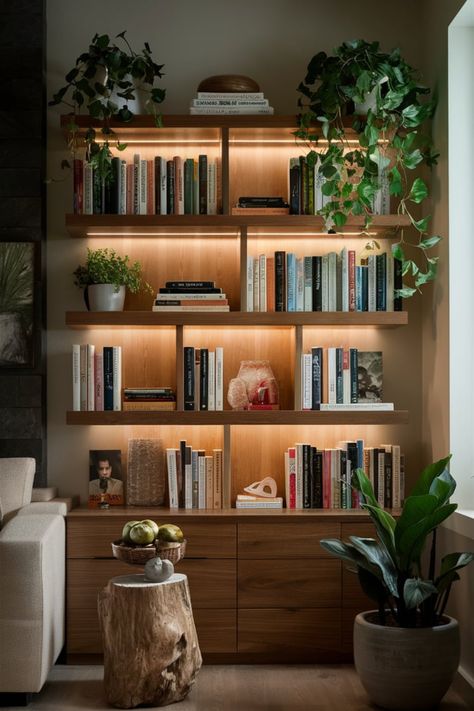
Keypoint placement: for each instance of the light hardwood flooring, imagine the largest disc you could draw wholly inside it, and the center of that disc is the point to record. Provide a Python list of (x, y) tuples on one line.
[(230, 688)]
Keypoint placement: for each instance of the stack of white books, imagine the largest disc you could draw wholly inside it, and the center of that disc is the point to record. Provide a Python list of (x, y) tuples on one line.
[(210, 102)]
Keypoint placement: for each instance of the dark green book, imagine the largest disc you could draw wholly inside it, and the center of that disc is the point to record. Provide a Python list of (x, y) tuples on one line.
[(188, 186)]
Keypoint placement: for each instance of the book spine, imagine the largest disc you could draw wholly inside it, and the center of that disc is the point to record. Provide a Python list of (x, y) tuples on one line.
[(291, 499), (332, 376), (381, 478), (218, 465), (162, 199), (365, 288), (172, 478), (307, 476), (195, 478), (170, 187), (117, 377), (372, 282), (83, 376), (209, 482), (345, 280), (262, 282), (398, 284), (229, 102), (270, 278), (304, 197), (202, 163), (396, 498), (388, 479), (339, 357), (290, 282), (204, 374), (343, 479), (250, 268), (88, 189), (317, 497), (317, 284), (300, 284), (157, 182), (188, 478), (201, 479), (241, 96), (352, 284), (327, 495), (324, 283), (97, 193), (122, 205), (78, 182), (390, 283), (256, 284), (280, 281), (76, 377), (317, 378), (150, 187), (143, 186), (354, 371), (188, 186), (294, 187), (108, 378), (306, 380), (197, 378), (308, 284), (219, 378), (130, 189), (332, 281), (178, 186), (115, 186), (203, 110), (299, 476), (381, 281), (211, 188), (90, 377), (311, 209), (136, 184), (212, 381), (188, 378), (346, 377)]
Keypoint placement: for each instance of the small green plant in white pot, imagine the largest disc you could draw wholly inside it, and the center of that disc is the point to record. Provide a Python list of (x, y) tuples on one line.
[(407, 651), (106, 276)]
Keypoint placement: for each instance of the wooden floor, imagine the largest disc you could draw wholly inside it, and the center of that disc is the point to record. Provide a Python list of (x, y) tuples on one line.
[(230, 688)]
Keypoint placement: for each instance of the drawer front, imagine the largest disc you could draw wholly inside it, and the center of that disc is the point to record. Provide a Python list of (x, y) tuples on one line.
[(91, 538), (216, 629), (290, 633), (299, 583), (348, 617), (352, 595), (363, 530), (285, 540), (212, 583)]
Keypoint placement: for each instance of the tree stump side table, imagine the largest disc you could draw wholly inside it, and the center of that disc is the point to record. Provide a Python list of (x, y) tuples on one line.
[(151, 649)]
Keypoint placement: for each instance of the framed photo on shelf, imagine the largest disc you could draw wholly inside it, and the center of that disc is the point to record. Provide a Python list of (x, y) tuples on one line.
[(17, 280), (105, 478)]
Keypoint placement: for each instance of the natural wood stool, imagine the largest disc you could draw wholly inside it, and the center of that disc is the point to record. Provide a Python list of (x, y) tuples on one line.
[(151, 649)]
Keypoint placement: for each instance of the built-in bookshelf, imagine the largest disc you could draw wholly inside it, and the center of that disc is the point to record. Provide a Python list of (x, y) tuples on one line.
[(253, 154)]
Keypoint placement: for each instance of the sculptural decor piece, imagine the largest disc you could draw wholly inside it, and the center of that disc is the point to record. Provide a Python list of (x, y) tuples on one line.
[(254, 388), (146, 475), (267, 488)]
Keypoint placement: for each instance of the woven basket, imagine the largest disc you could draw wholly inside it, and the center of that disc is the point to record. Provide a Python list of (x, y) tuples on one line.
[(139, 555)]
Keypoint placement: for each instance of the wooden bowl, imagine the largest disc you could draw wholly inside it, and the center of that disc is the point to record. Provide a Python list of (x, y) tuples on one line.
[(139, 555), (229, 83)]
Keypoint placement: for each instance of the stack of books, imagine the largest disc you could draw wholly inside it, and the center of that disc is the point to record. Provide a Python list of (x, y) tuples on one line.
[(210, 102), (342, 379), (261, 206), (195, 479), (316, 479), (247, 501), (190, 296), (203, 372), (342, 281), (96, 378), (163, 399)]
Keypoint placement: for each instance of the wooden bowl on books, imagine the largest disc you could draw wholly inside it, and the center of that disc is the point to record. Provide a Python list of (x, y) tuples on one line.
[(139, 555), (232, 83)]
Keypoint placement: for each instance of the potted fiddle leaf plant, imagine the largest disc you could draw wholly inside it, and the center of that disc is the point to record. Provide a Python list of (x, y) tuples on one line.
[(109, 82), (386, 144), (406, 652), (105, 278)]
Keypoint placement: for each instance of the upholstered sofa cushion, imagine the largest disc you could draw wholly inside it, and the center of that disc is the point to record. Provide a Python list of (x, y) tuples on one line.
[(45, 507), (16, 485), (32, 592), (44, 493)]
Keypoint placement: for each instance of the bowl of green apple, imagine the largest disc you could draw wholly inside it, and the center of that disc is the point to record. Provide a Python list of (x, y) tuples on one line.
[(146, 539)]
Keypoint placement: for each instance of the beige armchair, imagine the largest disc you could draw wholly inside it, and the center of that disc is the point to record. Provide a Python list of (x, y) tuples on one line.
[(32, 582)]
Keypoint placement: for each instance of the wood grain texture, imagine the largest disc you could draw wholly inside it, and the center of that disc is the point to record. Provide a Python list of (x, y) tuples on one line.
[(305, 583), (293, 540), (290, 632), (93, 538)]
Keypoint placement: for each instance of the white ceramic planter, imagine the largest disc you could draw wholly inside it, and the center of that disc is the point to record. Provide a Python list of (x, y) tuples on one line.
[(104, 297), (406, 669)]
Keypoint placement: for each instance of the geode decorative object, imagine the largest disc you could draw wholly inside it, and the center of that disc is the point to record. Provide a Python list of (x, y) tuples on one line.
[(255, 385), (146, 472), (157, 570)]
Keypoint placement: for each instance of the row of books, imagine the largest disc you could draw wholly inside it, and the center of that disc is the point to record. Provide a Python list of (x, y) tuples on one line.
[(158, 186), (156, 399), (195, 479), (209, 102), (203, 373), (331, 282), (191, 296), (310, 191), (342, 378), (321, 479), (96, 378)]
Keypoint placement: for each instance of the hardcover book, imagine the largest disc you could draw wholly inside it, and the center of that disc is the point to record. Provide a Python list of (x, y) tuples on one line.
[(370, 376)]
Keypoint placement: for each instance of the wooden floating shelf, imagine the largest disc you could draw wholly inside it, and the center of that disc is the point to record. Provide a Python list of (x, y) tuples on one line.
[(87, 319), (230, 417), (156, 225)]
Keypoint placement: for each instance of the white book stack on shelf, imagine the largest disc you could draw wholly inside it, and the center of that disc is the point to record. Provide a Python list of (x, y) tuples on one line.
[(210, 102)]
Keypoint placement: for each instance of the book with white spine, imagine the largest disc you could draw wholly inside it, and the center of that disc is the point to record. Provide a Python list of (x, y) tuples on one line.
[(300, 283), (76, 378), (172, 478), (219, 378), (229, 102), (250, 283), (358, 407), (211, 188), (324, 283), (211, 394), (190, 295), (83, 376), (143, 181), (90, 377), (204, 110), (202, 480), (332, 281), (262, 282), (99, 381), (117, 375), (306, 381), (372, 282), (331, 376), (256, 284), (345, 279)]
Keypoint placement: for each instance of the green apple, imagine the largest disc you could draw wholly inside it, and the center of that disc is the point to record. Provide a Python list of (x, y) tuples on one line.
[(169, 532), (142, 534), (152, 524), (126, 530)]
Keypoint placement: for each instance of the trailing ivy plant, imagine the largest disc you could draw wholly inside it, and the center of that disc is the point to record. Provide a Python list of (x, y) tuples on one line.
[(390, 142), (102, 82)]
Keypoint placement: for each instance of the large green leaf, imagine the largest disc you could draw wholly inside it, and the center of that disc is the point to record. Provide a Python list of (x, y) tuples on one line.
[(423, 484), (372, 586), (361, 483), (416, 590), (349, 553), (443, 487), (412, 540), (377, 555), (385, 527), (419, 191), (449, 565)]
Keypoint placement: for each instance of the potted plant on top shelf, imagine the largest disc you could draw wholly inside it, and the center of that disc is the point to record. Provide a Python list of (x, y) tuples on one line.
[(390, 142), (407, 651), (105, 278), (106, 81)]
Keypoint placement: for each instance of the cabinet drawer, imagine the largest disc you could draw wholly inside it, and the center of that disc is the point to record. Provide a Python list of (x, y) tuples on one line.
[(212, 583), (285, 540), (91, 538), (299, 583), (363, 530), (216, 629), (291, 633), (352, 593)]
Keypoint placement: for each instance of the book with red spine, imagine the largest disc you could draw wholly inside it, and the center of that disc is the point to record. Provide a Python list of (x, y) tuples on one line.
[(327, 485), (270, 284)]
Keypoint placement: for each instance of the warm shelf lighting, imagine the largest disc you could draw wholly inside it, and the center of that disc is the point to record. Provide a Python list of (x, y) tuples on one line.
[(312, 234), (163, 234), (144, 141)]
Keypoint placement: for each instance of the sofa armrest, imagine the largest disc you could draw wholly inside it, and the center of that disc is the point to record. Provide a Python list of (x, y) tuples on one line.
[(32, 600), (44, 507)]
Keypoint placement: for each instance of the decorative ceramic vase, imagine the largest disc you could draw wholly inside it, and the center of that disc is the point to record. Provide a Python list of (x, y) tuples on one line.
[(405, 668), (105, 297)]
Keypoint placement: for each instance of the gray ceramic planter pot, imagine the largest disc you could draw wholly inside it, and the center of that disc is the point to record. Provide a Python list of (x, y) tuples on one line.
[(103, 297), (404, 668)]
